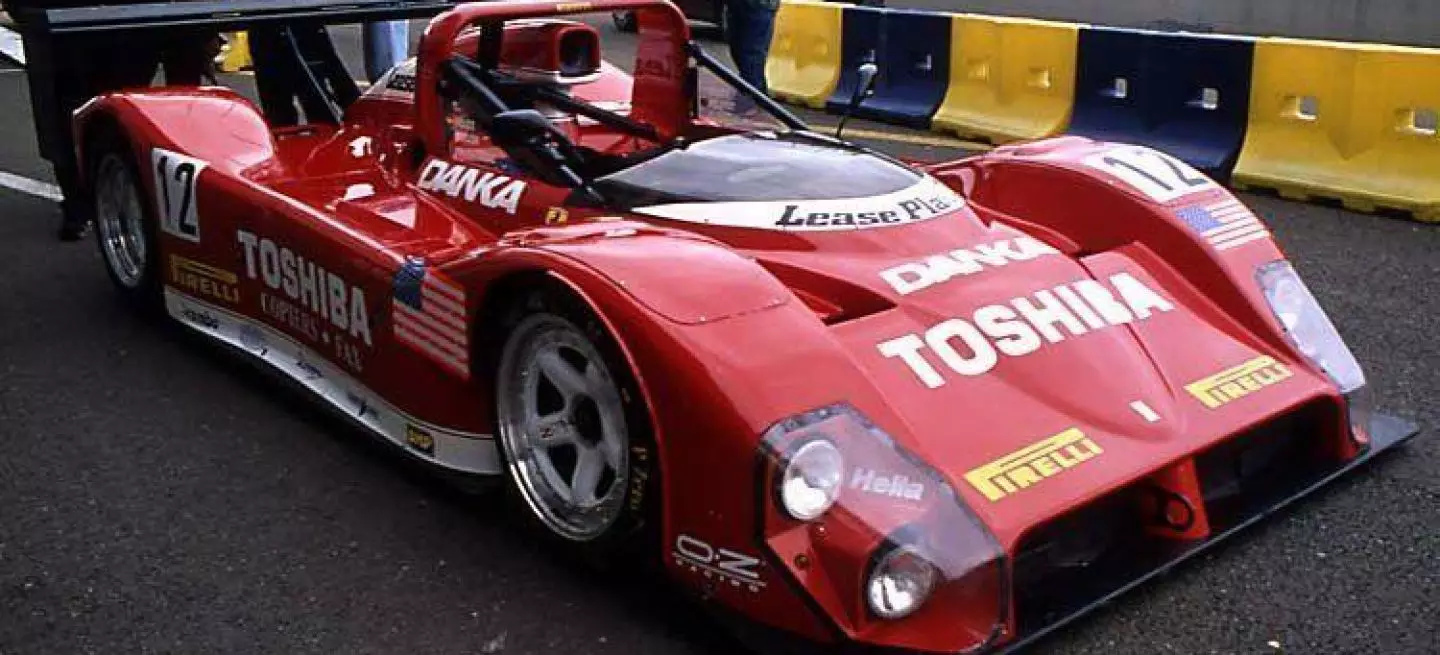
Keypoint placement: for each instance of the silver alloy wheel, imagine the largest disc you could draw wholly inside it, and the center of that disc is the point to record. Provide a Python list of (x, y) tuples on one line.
[(119, 220), (562, 425)]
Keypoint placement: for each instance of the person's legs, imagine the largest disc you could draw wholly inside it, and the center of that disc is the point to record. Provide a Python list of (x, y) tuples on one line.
[(386, 44), (752, 24)]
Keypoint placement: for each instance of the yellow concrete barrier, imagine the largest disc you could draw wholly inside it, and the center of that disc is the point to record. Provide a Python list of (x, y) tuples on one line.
[(804, 62), (1011, 79), (236, 55), (1355, 122)]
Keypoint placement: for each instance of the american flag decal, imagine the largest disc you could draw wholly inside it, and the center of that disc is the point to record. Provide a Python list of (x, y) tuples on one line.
[(429, 315), (1224, 223)]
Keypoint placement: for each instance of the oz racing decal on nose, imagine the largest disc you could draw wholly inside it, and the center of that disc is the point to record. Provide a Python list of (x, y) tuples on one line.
[(923, 201), (973, 345)]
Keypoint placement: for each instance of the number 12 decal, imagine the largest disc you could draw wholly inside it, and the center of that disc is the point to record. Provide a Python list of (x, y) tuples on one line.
[(175, 178), (1157, 175)]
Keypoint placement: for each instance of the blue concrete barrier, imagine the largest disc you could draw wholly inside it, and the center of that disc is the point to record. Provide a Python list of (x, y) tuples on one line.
[(1185, 94), (859, 43), (912, 49), (914, 68)]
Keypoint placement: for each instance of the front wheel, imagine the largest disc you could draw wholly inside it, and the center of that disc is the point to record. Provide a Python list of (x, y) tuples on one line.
[(125, 227), (572, 424)]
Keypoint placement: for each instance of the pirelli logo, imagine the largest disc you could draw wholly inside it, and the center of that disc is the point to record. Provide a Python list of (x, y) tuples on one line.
[(1234, 383), (1033, 464), (204, 280)]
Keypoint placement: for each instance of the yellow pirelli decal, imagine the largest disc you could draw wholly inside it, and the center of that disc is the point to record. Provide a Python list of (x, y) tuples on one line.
[(203, 280), (180, 265), (1234, 383), (1033, 464)]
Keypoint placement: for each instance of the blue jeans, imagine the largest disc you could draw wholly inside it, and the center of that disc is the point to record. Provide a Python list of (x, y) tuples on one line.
[(386, 44), (752, 23)]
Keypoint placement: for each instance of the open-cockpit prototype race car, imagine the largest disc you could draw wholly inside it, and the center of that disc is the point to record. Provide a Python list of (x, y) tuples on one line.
[(935, 409)]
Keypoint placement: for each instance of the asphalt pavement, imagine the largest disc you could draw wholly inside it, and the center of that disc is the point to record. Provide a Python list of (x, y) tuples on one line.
[(158, 496)]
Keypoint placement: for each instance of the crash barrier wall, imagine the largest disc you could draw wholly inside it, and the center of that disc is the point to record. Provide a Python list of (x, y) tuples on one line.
[(859, 43), (236, 56), (1347, 121), (1011, 79), (914, 59), (804, 62), (1355, 122), (1185, 94)]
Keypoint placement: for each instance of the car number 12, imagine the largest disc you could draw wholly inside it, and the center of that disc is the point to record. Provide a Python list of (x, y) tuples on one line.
[(175, 179), (1159, 176)]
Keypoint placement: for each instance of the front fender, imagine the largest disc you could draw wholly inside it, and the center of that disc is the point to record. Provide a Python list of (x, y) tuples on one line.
[(721, 351), (1062, 186)]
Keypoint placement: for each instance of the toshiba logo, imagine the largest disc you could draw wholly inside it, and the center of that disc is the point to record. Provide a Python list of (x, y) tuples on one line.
[(972, 345)]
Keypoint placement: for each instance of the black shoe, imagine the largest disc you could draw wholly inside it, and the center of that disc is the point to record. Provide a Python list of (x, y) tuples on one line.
[(74, 231)]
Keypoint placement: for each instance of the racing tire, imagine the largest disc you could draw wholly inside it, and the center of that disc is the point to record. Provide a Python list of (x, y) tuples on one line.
[(573, 429), (126, 230), (625, 21)]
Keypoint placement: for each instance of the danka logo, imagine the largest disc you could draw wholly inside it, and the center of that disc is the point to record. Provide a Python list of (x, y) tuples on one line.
[(204, 280), (325, 294), (1237, 382), (483, 187), (911, 277), (1033, 464), (895, 486), (972, 346)]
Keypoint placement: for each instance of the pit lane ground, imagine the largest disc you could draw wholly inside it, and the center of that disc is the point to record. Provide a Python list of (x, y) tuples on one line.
[(156, 496)]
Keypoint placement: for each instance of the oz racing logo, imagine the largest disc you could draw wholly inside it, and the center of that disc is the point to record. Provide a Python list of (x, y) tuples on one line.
[(718, 564)]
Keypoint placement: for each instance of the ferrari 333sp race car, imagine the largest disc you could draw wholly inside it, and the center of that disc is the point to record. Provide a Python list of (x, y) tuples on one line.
[(940, 408)]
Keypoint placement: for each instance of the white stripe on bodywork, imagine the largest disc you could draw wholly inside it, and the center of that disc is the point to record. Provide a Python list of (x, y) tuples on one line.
[(456, 450), (766, 215)]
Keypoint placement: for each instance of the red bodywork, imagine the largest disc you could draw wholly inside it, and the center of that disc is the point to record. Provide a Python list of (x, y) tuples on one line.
[(731, 329)]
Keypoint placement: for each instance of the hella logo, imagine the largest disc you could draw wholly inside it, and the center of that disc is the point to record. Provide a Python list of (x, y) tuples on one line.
[(895, 486)]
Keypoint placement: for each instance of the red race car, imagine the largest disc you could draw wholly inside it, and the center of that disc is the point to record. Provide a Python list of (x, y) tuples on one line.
[(934, 409)]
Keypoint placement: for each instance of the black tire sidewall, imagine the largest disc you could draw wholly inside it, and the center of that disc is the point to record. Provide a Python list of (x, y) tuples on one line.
[(638, 524), (107, 142)]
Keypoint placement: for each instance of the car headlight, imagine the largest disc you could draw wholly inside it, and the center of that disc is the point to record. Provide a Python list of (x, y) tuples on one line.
[(875, 534), (812, 479), (900, 583), (1309, 328)]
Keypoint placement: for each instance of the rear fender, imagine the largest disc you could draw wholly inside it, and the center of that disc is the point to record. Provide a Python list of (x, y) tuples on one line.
[(216, 125)]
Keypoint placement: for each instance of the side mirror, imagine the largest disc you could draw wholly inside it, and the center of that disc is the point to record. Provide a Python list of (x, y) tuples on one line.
[(539, 147), (866, 88), (863, 89)]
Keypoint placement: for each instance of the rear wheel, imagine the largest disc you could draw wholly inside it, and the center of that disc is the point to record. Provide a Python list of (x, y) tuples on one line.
[(573, 429), (125, 228)]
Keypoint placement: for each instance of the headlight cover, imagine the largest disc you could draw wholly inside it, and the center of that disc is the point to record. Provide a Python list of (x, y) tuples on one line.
[(1308, 326), (897, 557)]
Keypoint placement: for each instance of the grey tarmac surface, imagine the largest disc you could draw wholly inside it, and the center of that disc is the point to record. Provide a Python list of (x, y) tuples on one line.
[(157, 495)]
